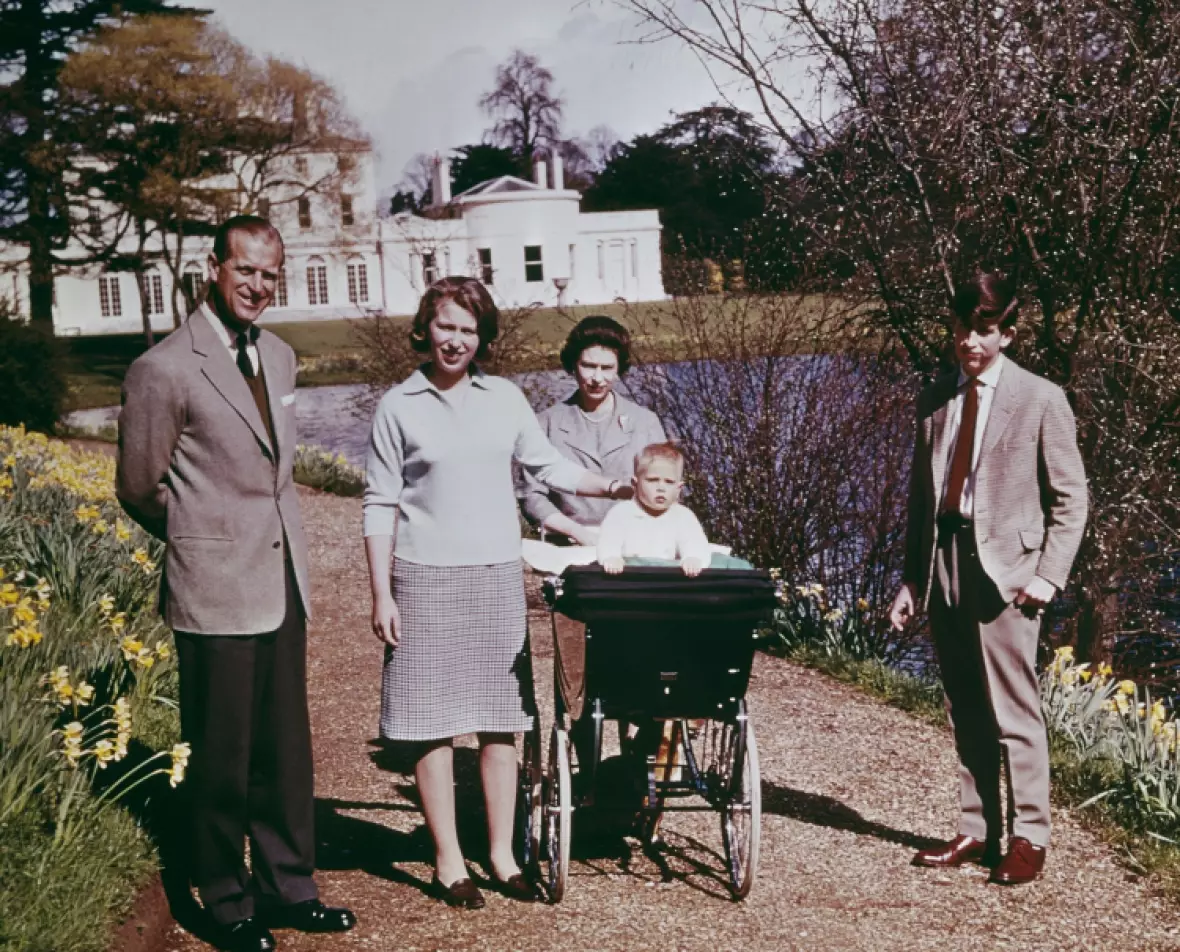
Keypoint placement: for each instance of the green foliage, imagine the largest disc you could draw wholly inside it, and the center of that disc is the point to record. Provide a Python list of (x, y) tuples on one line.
[(481, 162), (87, 697), (712, 174), (319, 469), (64, 898), (31, 378)]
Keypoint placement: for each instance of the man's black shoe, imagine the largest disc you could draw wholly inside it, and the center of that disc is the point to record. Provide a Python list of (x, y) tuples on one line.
[(309, 916), (245, 935)]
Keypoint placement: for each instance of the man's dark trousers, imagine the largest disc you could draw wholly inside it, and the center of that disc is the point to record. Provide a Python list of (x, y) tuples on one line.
[(243, 708)]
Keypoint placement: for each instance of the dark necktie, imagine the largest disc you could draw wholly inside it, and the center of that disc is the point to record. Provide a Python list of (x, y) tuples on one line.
[(964, 449), (244, 364)]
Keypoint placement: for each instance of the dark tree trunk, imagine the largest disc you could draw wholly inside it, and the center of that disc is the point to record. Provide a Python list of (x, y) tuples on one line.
[(38, 78), (1098, 619)]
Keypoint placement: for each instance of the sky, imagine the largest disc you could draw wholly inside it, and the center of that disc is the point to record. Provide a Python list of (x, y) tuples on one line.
[(412, 71)]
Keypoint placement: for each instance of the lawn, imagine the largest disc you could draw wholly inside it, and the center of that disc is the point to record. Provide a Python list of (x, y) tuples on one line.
[(330, 350)]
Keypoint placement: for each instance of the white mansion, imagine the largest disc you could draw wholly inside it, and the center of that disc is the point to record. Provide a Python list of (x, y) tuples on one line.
[(528, 241)]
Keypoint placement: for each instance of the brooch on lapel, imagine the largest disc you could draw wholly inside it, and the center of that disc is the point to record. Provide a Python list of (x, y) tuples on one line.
[(622, 421)]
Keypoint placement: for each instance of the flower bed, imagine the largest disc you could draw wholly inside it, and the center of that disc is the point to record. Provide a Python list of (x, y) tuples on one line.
[(88, 718)]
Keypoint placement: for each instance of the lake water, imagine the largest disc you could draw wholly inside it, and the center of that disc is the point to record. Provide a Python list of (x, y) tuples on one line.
[(338, 418)]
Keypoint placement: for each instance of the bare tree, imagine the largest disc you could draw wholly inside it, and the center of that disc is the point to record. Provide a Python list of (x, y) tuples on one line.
[(938, 137), (527, 114)]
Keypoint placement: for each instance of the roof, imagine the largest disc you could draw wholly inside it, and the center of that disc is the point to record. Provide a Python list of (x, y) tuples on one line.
[(501, 185)]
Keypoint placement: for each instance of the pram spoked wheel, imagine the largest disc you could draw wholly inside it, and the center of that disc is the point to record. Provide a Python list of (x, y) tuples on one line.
[(557, 815), (528, 800), (741, 807)]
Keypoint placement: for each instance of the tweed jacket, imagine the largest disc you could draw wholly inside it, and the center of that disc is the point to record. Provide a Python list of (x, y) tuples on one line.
[(631, 429), (196, 469), (1030, 485)]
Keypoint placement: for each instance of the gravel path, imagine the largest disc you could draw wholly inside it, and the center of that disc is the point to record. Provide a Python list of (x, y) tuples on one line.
[(850, 789)]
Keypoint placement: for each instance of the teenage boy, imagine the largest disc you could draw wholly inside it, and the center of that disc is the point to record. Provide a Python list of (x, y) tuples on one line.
[(997, 509)]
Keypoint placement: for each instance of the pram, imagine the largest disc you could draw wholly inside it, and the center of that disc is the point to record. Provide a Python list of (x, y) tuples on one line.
[(650, 645)]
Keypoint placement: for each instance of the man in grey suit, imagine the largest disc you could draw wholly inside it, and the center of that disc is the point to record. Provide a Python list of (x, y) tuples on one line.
[(997, 510), (206, 451)]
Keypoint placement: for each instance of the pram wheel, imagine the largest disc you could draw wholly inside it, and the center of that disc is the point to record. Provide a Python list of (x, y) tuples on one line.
[(741, 807), (528, 800), (557, 814)]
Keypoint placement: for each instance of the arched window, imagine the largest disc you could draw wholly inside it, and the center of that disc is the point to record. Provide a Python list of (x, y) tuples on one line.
[(317, 281), (429, 268), (358, 281), (193, 281)]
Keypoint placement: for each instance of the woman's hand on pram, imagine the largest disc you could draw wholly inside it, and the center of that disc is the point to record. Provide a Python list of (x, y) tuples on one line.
[(691, 567), (387, 623), (612, 566)]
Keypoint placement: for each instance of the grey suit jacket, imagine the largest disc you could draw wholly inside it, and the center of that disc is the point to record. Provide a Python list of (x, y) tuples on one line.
[(1030, 484), (197, 470), (632, 428)]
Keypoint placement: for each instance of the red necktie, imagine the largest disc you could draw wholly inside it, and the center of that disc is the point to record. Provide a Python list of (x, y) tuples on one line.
[(964, 449)]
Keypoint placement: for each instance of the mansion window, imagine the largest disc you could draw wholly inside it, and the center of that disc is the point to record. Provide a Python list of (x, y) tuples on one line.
[(153, 285), (533, 268), (486, 273), (264, 207), (94, 222), (358, 282), (281, 288), (305, 212), (109, 298), (346, 217), (300, 165), (193, 283), (317, 282), (429, 268)]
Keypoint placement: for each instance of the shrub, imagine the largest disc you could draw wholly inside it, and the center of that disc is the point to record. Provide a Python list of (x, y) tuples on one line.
[(87, 695), (31, 378), (319, 469), (797, 438)]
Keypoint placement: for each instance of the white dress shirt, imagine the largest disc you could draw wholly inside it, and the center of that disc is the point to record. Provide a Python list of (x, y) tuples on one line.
[(231, 340), (989, 379), (630, 531)]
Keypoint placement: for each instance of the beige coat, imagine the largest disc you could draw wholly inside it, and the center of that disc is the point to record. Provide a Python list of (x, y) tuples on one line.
[(197, 470), (1030, 485)]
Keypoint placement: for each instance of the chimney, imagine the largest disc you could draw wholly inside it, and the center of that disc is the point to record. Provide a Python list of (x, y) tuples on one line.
[(440, 190), (539, 171), (558, 173)]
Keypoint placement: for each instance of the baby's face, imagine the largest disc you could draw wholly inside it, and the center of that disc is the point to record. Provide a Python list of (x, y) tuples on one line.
[(657, 487)]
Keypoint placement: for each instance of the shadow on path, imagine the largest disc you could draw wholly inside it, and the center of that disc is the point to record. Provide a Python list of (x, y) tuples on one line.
[(819, 810)]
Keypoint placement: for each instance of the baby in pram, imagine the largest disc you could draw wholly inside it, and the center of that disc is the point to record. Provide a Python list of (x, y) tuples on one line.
[(653, 525)]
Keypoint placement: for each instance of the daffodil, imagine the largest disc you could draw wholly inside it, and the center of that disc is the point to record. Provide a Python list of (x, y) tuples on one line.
[(104, 753), (122, 530), (1127, 687), (180, 756), (24, 637), (131, 647)]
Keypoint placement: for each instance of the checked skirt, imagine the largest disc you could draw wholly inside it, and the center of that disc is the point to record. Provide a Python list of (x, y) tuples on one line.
[(462, 664)]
